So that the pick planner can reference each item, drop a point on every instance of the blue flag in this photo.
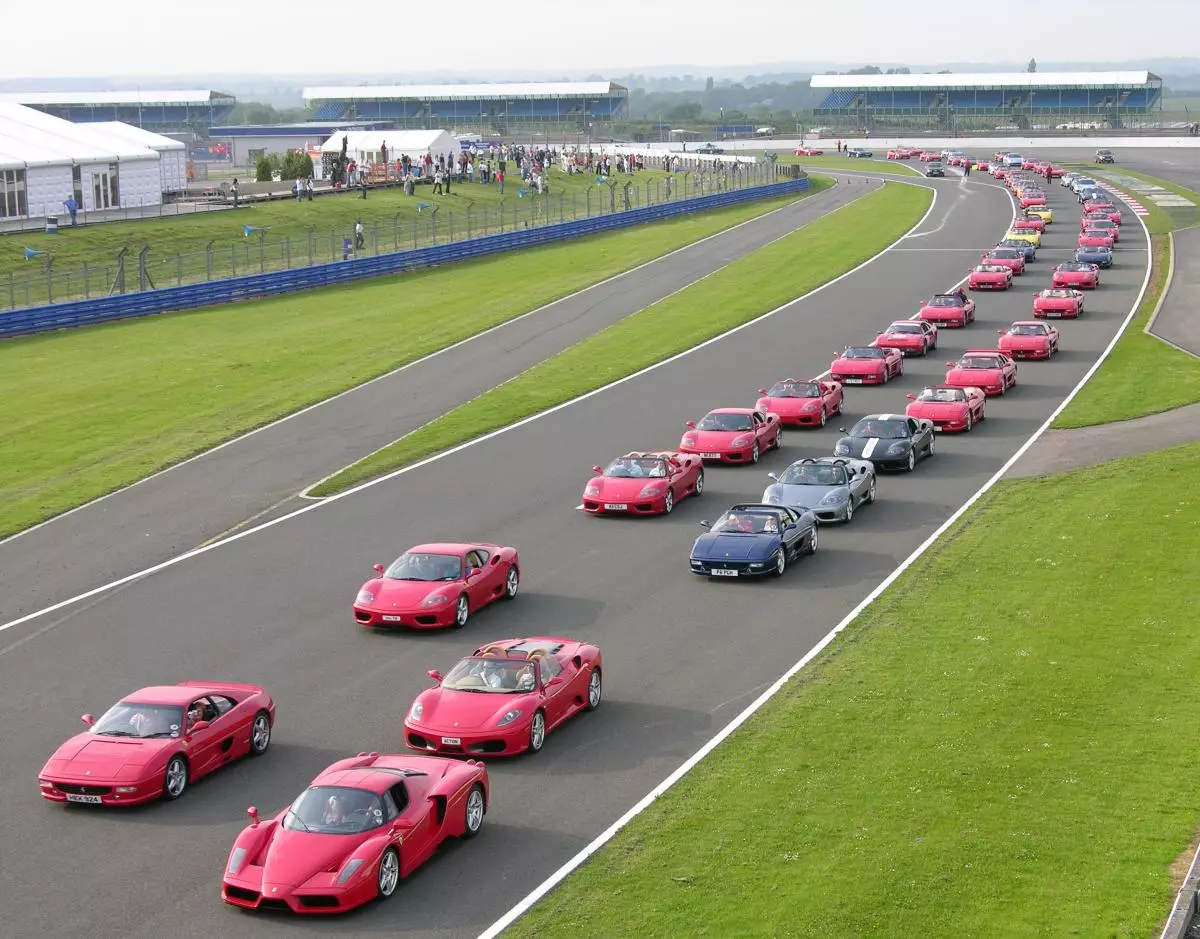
(522, 193)
(422, 206)
(30, 254)
(248, 230)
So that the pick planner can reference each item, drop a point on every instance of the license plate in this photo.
(90, 800)
(723, 572)
(853, 381)
(936, 428)
(616, 506)
(389, 618)
(1054, 314)
(711, 456)
(452, 741)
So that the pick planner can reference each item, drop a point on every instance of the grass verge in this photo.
(1161, 219)
(816, 164)
(741, 291)
(998, 747)
(143, 394)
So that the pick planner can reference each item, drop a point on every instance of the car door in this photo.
(760, 428)
(556, 691)
(239, 717)
(478, 584)
(206, 747)
(413, 830)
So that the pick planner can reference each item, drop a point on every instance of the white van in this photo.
(765, 132)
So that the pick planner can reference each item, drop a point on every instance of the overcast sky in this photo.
(65, 38)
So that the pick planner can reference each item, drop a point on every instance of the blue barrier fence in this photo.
(257, 286)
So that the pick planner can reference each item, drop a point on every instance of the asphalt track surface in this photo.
(1178, 319)
(259, 476)
(682, 655)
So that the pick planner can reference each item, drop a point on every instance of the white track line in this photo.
(609, 833)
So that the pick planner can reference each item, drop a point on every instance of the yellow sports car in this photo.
(1021, 234)
(1045, 213)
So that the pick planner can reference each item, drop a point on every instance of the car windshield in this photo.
(880, 427)
(979, 361)
(743, 522)
(1027, 329)
(334, 810)
(991, 269)
(1082, 181)
(813, 474)
(731, 422)
(490, 674)
(1063, 294)
(428, 567)
(942, 395)
(795, 389)
(1005, 253)
(1104, 152)
(637, 467)
(945, 301)
(863, 352)
(905, 328)
(128, 719)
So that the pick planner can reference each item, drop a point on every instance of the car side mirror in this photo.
(252, 814)
(762, 391)
(951, 364)
(923, 302)
(89, 720)
(691, 425)
(435, 675)
(596, 469)
(911, 396)
(999, 332)
(199, 726)
(705, 523)
(472, 571)
(773, 476)
(378, 568)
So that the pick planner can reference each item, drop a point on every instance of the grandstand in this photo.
(157, 111)
(486, 108)
(964, 102)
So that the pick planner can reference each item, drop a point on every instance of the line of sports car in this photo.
(366, 822)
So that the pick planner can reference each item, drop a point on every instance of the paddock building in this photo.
(192, 111)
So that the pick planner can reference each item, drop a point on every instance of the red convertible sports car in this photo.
(808, 151)
(1011, 258)
(1096, 238)
(1097, 221)
(910, 337)
(1076, 274)
(358, 828)
(1029, 223)
(644, 484)
(990, 369)
(1058, 303)
(1029, 340)
(733, 435)
(989, 277)
(950, 408)
(433, 586)
(1105, 209)
(802, 402)
(866, 365)
(505, 697)
(952, 310)
(156, 742)
(1031, 198)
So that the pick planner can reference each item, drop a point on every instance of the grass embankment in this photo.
(835, 162)
(93, 409)
(1162, 218)
(995, 748)
(771, 276)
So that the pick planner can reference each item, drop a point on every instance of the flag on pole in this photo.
(30, 254)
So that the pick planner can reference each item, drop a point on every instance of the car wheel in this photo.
(850, 509)
(595, 690)
(970, 422)
(780, 562)
(812, 540)
(537, 732)
(887, 375)
(900, 368)
(779, 440)
(389, 873)
(912, 460)
(462, 612)
(260, 734)
(175, 779)
(474, 812)
(700, 483)
(669, 502)
(824, 416)
(871, 491)
(512, 582)
(754, 453)
(932, 444)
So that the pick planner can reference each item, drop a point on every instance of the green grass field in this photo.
(995, 748)
(93, 409)
(771, 276)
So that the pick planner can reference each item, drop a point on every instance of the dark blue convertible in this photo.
(754, 541)
(1097, 254)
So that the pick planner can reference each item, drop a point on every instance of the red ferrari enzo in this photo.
(989, 277)
(1076, 274)
(950, 408)
(156, 742)
(952, 310)
(733, 435)
(990, 369)
(1029, 340)
(359, 827)
(910, 337)
(433, 586)
(1011, 258)
(644, 484)
(866, 365)
(505, 697)
(1096, 238)
(802, 403)
(1058, 303)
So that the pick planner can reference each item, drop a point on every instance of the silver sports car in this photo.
(829, 487)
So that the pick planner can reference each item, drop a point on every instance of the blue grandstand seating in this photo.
(896, 99)
(523, 109)
(149, 116)
(329, 111)
(980, 100)
(837, 99)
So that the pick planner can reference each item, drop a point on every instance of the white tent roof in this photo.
(129, 134)
(187, 96)
(398, 141)
(1034, 80)
(447, 92)
(43, 139)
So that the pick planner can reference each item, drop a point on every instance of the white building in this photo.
(47, 160)
(172, 153)
(365, 146)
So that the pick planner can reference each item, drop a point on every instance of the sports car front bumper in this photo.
(90, 791)
(432, 617)
(714, 567)
(501, 741)
(248, 891)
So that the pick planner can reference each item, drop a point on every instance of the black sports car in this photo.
(1105, 156)
(935, 169)
(890, 441)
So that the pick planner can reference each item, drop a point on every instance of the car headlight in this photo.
(365, 596)
(743, 441)
(436, 600)
(836, 497)
(235, 860)
(651, 491)
(770, 497)
(592, 491)
(415, 712)
(350, 870)
(812, 405)
(842, 449)
(509, 716)
(689, 441)
(898, 447)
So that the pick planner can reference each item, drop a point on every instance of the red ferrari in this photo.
(1029, 199)
(999, 172)
(802, 403)
(950, 408)
(866, 365)
(156, 742)
(1109, 211)
(505, 697)
(1058, 303)
(1096, 238)
(899, 154)
(1029, 164)
(644, 483)
(359, 827)
(1098, 205)
(1029, 340)
(989, 277)
(808, 151)
(1076, 274)
(1011, 258)
(733, 435)
(982, 165)
(990, 369)
(1029, 223)
(1102, 223)
(433, 586)
(910, 337)
(952, 310)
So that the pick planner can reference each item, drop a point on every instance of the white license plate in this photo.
(389, 618)
(937, 429)
(723, 572)
(711, 456)
(853, 381)
(90, 800)
(616, 506)
(1054, 314)
(452, 741)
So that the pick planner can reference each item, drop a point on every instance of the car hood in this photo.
(735, 547)
(624, 487)
(468, 711)
(108, 758)
(998, 275)
(798, 495)
(295, 857)
(401, 594)
(935, 410)
(900, 339)
(787, 405)
(867, 448)
(943, 311)
(972, 376)
(859, 366)
(716, 439)
(1051, 302)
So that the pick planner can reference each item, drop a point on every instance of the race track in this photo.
(682, 655)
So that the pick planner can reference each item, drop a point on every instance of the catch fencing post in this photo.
(287, 250)
(179, 270)
(87, 290)
(49, 280)
(208, 259)
(12, 292)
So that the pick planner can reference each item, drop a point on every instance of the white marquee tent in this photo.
(365, 146)
(172, 153)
